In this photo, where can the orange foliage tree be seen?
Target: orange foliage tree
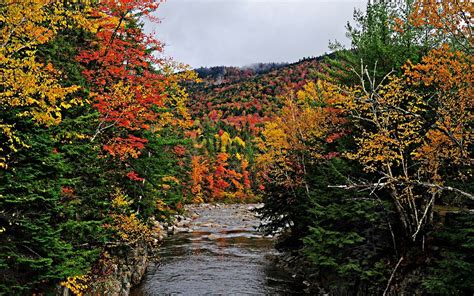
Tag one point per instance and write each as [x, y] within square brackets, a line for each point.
[199, 170]
[449, 21]
[449, 74]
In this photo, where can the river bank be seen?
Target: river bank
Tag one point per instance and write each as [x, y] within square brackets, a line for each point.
[207, 248]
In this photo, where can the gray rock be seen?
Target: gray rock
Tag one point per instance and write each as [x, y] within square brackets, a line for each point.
[180, 229]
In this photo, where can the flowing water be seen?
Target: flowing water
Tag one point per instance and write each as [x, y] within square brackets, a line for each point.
[223, 255]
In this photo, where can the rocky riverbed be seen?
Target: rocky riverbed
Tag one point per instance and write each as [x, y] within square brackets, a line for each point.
[201, 216]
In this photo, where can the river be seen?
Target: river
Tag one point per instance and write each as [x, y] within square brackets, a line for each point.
[223, 255]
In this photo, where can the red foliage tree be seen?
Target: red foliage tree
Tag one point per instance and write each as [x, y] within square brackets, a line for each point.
[119, 61]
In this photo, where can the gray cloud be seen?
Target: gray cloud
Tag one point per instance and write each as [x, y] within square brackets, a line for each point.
[242, 32]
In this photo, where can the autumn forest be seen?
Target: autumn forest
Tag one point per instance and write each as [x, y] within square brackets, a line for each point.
[363, 158]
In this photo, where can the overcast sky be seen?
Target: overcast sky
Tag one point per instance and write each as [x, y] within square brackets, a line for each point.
[243, 32]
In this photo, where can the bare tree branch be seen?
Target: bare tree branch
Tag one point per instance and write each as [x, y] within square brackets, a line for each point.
[391, 276]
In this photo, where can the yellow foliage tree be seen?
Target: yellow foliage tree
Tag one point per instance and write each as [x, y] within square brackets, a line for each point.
[398, 144]
[28, 85]
[298, 136]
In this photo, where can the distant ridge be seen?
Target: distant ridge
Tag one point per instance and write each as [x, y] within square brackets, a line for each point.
[246, 97]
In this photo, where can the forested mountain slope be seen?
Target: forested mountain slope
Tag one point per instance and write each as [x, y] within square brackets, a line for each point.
[229, 107]
[244, 97]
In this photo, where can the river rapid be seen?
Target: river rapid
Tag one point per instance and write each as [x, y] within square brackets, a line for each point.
[222, 254]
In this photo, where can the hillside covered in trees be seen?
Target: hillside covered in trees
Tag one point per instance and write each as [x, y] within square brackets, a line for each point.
[230, 107]
[363, 158]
